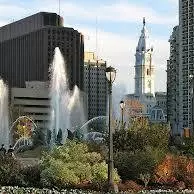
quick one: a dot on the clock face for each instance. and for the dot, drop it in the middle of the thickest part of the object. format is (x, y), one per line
(148, 59)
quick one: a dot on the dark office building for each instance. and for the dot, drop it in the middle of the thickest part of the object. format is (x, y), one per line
(27, 45)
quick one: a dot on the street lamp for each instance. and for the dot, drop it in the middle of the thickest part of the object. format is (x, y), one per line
(122, 105)
(111, 75)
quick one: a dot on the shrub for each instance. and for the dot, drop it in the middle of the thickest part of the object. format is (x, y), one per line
(73, 164)
(38, 137)
(130, 165)
(31, 175)
(10, 171)
(140, 135)
(175, 168)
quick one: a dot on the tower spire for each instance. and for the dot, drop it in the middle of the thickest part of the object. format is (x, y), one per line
(144, 21)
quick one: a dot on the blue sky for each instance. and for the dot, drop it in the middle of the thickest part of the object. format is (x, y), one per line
(119, 23)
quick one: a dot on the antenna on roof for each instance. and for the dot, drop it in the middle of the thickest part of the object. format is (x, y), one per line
(59, 7)
(96, 37)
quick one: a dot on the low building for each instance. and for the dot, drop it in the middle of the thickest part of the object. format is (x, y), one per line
(157, 115)
(161, 100)
(32, 101)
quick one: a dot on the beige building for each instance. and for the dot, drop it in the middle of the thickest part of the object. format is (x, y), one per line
(95, 85)
(34, 101)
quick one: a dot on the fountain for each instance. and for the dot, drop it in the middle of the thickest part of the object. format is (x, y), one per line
(77, 114)
(66, 106)
(4, 118)
(24, 139)
(83, 127)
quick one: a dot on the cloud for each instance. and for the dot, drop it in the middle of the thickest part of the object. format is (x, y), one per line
(119, 52)
(128, 12)
(175, 2)
(120, 12)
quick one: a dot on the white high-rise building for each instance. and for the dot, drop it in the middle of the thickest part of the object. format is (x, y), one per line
(144, 69)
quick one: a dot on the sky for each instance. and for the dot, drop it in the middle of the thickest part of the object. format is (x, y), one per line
(118, 24)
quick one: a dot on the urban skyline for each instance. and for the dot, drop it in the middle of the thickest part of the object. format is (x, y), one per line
(111, 30)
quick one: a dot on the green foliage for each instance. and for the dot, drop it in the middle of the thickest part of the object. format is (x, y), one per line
(48, 136)
(127, 140)
(140, 148)
(59, 137)
(102, 149)
(145, 178)
(140, 135)
(187, 146)
(72, 164)
(38, 137)
(10, 171)
(130, 165)
(31, 175)
(158, 135)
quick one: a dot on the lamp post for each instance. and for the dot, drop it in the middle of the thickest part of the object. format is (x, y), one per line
(111, 75)
(122, 105)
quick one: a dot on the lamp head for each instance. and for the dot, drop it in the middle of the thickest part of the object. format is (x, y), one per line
(110, 74)
(122, 104)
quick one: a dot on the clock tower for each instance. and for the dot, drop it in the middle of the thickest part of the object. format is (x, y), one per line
(144, 69)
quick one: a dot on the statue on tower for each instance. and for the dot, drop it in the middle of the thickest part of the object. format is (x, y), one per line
(144, 21)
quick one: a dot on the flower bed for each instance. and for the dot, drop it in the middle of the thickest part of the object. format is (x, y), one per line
(22, 190)
(163, 191)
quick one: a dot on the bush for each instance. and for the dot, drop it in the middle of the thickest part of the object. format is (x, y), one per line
(10, 171)
(38, 137)
(140, 135)
(31, 175)
(175, 168)
(130, 165)
(73, 164)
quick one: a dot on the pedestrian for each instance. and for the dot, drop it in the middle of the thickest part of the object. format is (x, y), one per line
(2, 150)
(10, 152)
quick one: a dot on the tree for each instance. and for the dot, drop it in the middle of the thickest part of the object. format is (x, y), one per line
(140, 135)
(73, 164)
(59, 137)
(140, 148)
(39, 137)
(131, 164)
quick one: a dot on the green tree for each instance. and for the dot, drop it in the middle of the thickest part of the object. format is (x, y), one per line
(72, 164)
(140, 135)
(140, 148)
(59, 137)
(130, 165)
